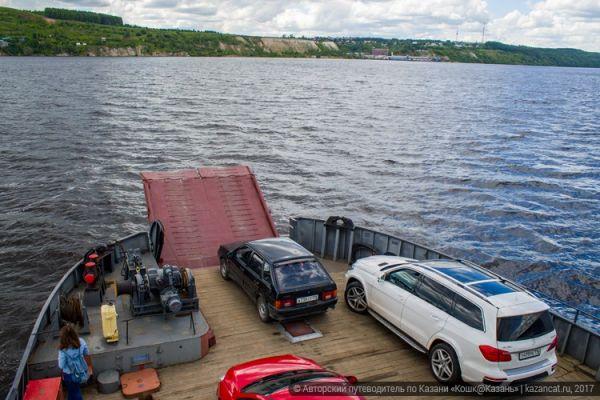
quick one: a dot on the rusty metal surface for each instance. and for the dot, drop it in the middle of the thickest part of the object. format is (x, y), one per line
(204, 208)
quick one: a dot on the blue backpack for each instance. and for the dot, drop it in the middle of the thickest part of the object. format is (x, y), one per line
(76, 363)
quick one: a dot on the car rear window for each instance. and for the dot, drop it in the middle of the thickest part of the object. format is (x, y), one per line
(523, 327)
(299, 274)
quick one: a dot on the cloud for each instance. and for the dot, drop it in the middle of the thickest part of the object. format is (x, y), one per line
(396, 18)
(549, 23)
(552, 23)
(199, 10)
(88, 3)
(162, 4)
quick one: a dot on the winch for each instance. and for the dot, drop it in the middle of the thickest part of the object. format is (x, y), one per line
(168, 289)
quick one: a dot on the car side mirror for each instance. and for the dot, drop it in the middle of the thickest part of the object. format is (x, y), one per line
(351, 379)
(381, 278)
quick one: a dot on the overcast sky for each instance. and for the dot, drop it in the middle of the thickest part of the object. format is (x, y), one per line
(546, 23)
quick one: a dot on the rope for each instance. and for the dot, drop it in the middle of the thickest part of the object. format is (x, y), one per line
(70, 309)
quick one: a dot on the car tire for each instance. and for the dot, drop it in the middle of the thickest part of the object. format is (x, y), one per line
(355, 298)
(223, 269)
(443, 363)
(263, 309)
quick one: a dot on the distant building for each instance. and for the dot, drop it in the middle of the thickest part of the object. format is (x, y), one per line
(406, 57)
(379, 52)
(420, 58)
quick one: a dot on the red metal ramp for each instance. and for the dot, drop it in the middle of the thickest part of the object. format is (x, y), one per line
(203, 208)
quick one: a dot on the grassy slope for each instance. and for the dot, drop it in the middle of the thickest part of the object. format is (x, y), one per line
(31, 34)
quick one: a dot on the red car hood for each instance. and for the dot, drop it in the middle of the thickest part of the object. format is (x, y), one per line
(285, 393)
(245, 374)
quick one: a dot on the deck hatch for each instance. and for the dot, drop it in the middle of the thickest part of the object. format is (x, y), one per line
(298, 331)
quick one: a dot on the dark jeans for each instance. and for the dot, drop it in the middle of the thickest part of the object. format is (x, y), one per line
(73, 389)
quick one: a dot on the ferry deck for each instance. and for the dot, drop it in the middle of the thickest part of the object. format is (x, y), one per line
(352, 344)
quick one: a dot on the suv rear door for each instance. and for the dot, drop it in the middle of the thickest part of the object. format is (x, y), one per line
(426, 311)
(527, 338)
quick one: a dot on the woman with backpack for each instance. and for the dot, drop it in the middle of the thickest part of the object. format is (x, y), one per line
(73, 361)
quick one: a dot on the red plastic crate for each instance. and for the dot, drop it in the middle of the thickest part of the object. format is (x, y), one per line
(44, 389)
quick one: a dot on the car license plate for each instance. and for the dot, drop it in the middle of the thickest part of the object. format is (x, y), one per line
(524, 355)
(307, 299)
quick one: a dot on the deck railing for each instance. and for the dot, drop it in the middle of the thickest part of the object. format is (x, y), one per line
(338, 239)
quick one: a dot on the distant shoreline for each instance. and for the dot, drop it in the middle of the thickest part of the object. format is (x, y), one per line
(25, 33)
(289, 58)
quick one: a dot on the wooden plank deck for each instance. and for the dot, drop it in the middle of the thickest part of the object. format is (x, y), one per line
(352, 344)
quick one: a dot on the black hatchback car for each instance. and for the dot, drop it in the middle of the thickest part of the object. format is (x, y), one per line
(284, 279)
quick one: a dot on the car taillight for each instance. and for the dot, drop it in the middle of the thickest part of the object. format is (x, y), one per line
(328, 294)
(283, 303)
(554, 343)
(493, 354)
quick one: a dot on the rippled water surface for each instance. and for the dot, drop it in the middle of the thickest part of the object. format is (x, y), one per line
(498, 164)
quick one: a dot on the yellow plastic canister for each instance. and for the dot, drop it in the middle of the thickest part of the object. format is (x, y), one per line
(110, 330)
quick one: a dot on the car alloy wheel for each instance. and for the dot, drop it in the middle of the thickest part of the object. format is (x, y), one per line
(223, 269)
(263, 309)
(442, 364)
(355, 297)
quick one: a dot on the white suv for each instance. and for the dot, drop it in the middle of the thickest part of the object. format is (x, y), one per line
(472, 323)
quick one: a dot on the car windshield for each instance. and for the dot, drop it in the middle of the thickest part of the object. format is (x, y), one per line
(301, 273)
(522, 327)
(273, 383)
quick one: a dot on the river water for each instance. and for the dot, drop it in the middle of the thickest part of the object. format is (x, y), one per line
(497, 164)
